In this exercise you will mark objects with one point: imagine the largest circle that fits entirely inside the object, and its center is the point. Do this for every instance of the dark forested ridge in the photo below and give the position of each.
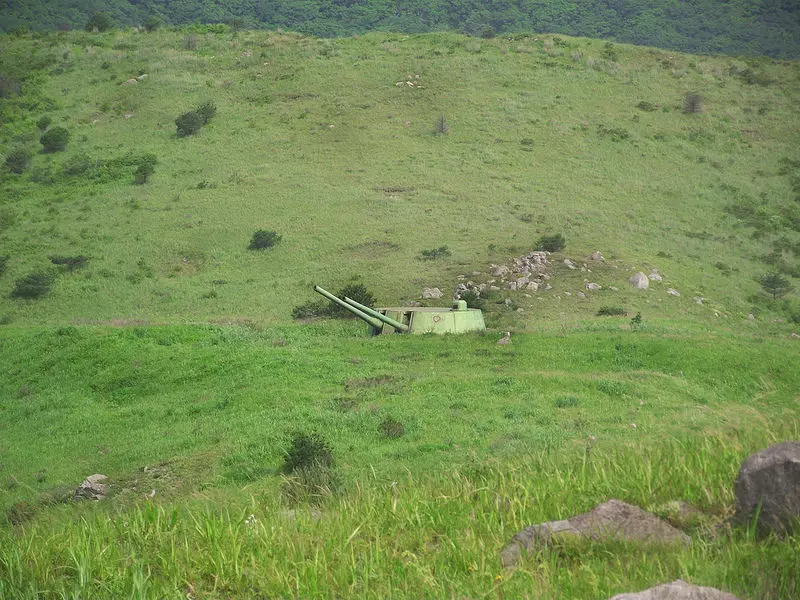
(747, 27)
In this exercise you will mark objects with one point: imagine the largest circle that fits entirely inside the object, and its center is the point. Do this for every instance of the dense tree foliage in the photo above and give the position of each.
(770, 27)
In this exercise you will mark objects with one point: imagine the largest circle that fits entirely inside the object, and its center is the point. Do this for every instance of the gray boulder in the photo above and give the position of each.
(677, 590)
(640, 281)
(431, 293)
(769, 482)
(92, 488)
(612, 520)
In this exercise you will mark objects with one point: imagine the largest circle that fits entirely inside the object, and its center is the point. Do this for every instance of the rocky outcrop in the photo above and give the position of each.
(612, 520)
(768, 484)
(431, 293)
(640, 281)
(677, 590)
(92, 488)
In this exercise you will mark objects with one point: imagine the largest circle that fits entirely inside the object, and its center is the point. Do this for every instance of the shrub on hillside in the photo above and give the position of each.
(55, 139)
(18, 160)
(307, 450)
(145, 168)
(99, 22)
(611, 311)
(775, 285)
(4, 263)
(206, 110)
(263, 239)
(76, 165)
(152, 23)
(44, 122)
(70, 263)
(473, 299)
(435, 253)
(34, 285)
(692, 103)
(551, 243)
(188, 123)
(391, 428)
(441, 127)
(354, 291)
(9, 86)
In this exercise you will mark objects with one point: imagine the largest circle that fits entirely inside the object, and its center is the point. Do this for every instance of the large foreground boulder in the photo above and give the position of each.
(640, 281)
(769, 484)
(677, 590)
(612, 520)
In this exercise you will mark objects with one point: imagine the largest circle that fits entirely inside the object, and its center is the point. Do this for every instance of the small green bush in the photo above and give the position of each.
(206, 110)
(263, 239)
(70, 263)
(77, 165)
(152, 23)
(100, 22)
(435, 253)
(44, 122)
(307, 450)
(145, 168)
(692, 103)
(646, 106)
(473, 299)
(55, 139)
(18, 160)
(441, 127)
(4, 263)
(355, 291)
(611, 311)
(309, 310)
(34, 285)
(188, 123)
(551, 243)
(775, 285)
(391, 428)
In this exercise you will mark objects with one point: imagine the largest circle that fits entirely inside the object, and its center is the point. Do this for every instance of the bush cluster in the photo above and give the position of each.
(323, 308)
(34, 285)
(435, 253)
(55, 139)
(191, 122)
(309, 466)
(263, 239)
(551, 243)
(17, 160)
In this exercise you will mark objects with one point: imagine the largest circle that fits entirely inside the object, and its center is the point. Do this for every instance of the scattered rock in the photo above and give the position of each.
(499, 270)
(751, 316)
(654, 276)
(129, 82)
(699, 300)
(533, 286)
(581, 295)
(92, 488)
(640, 281)
(611, 520)
(506, 339)
(570, 264)
(673, 292)
(142, 77)
(596, 256)
(769, 482)
(593, 286)
(614, 289)
(431, 293)
(794, 335)
(677, 590)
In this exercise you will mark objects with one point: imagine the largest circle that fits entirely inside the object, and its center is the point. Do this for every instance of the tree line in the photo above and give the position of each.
(739, 27)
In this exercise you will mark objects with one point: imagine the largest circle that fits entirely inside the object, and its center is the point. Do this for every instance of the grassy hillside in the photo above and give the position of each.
(316, 140)
(164, 356)
(190, 424)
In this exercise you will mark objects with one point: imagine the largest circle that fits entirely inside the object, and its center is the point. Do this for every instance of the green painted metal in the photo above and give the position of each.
(408, 319)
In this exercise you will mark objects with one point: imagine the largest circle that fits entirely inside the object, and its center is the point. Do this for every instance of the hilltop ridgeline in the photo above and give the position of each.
(741, 27)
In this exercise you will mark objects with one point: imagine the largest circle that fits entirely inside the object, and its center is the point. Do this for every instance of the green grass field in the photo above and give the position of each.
(169, 362)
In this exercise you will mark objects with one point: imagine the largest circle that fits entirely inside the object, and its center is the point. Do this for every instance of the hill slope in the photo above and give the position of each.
(740, 27)
(333, 145)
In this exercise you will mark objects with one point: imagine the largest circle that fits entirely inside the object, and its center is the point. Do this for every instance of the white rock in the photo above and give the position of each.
(570, 264)
(640, 281)
(593, 286)
(654, 276)
(672, 292)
